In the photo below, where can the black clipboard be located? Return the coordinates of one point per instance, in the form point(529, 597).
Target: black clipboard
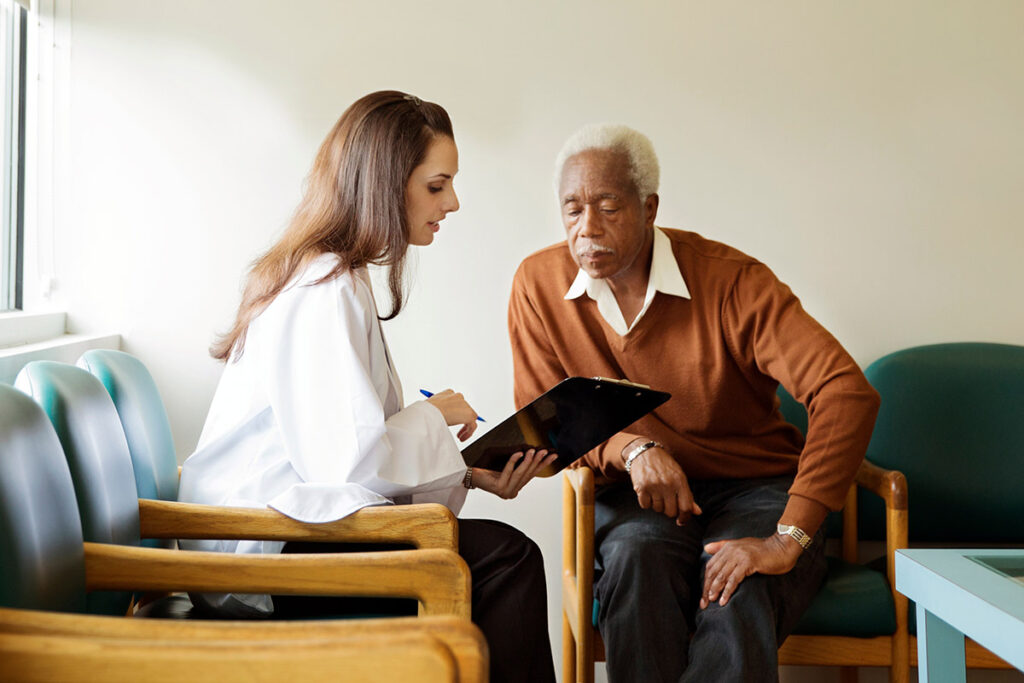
point(573, 417)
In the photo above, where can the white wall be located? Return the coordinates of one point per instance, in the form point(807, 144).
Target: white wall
point(870, 152)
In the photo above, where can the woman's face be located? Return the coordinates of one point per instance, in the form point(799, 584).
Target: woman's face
point(429, 194)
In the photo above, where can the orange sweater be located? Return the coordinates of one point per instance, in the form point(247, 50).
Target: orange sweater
point(722, 355)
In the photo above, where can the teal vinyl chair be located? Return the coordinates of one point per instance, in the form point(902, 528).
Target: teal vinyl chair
point(952, 420)
point(41, 553)
point(97, 454)
point(853, 621)
point(47, 568)
point(143, 419)
point(147, 431)
point(46, 565)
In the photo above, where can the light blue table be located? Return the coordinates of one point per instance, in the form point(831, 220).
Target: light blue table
point(978, 593)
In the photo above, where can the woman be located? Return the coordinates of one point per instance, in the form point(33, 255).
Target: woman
point(308, 416)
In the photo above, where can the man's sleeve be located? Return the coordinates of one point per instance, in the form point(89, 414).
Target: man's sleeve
point(536, 367)
point(765, 324)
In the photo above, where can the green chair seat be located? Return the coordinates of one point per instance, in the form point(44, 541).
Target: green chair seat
point(854, 601)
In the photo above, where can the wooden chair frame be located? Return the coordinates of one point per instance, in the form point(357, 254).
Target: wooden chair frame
point(424, 526)
point(84, 659)
point(582, 645)
point(461, 638)
point(438, 579)
point(429, 525)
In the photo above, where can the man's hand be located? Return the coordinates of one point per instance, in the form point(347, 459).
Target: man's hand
point(734, 560)
point(660, 483)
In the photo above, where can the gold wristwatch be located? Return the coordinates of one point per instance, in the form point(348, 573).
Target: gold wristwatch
point(798, 534)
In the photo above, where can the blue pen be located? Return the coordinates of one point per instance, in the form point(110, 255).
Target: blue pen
point(429, 394)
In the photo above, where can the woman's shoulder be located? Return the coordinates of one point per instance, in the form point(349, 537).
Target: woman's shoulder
point(315, 270)
point(320, 284)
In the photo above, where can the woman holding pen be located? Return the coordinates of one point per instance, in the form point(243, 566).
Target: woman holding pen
point(308, 416)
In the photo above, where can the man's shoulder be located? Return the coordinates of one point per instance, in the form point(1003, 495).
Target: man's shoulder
point(691, 246)
point(709, 265)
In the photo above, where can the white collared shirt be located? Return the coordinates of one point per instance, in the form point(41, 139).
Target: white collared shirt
point(309, 421)
point(665, 277)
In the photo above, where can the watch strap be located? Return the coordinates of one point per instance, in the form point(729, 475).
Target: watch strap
point(797, 534)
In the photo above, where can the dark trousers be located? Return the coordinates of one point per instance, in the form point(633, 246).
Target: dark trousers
point(509, 599)
point(651, 579)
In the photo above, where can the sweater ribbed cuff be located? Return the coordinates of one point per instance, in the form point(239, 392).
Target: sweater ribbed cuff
point(804, 513)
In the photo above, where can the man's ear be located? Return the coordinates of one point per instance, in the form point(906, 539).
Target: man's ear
point(650, 210)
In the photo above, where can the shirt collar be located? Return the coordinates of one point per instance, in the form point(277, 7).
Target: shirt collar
point(665, 275)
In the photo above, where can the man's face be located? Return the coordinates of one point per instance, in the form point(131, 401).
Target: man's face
point(607, 224)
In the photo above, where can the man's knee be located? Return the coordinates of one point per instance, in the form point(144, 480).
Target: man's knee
point(645, 563)
point(752, 597)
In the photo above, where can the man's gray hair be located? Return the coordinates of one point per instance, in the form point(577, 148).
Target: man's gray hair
point(643, 162)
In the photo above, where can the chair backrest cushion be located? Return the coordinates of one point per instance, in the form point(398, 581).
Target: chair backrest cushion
point(41, 559)
point(143, 419)
point(97, 455)
point(952, 420)
point(792, 410)
point(94, 445)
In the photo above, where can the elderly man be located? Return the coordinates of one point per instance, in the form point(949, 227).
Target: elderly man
point(708, 534)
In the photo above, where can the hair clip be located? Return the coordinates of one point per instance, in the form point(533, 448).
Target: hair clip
point(415, 100)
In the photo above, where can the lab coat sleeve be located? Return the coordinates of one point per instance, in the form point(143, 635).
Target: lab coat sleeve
point(326, 385)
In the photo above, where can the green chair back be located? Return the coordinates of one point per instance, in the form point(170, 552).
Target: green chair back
point(41, 558)
point(143, 419)
point(792, 410)
point(952, 420)
point(97, 456)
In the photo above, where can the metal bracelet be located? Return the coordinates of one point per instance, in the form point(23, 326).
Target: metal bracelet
point(638, 450)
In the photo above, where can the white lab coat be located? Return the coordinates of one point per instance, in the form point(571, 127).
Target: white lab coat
point(309, 421)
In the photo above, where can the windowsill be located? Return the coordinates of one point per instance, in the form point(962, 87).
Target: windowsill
point(25, 337)
point(18, 328)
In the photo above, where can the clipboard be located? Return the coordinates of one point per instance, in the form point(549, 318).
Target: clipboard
point(573, 417)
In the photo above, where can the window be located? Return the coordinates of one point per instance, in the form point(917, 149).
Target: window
point(13, 31)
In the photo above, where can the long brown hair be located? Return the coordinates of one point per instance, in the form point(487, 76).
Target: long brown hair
point(353, 205)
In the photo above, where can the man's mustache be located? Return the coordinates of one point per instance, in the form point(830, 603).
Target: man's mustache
point(592, 250)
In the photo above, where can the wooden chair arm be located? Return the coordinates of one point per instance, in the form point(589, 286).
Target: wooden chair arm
point(889, 485)
point(425, 525)
point(578, 564)
point(406, 656)
point(463, 638)
point(439, 579)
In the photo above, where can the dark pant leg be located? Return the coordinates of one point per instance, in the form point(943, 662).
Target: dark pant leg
point(328, 606)
point(509, 600)
point(739, 642)
point(648, 567)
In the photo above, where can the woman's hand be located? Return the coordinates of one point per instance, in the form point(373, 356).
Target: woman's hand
point(455, 411)
point(507, 483)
